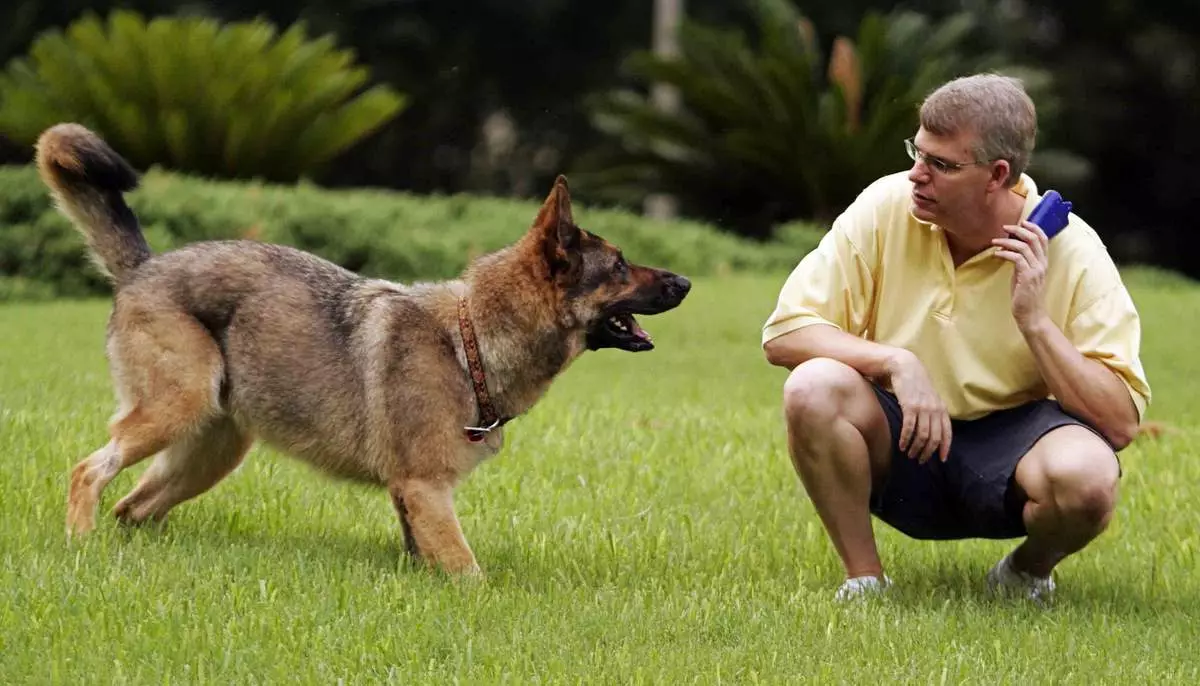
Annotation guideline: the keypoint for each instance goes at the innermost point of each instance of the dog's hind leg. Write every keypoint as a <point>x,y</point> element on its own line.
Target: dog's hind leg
<point>431,528</point>
<point>167,371</point>
<point>184,470</point>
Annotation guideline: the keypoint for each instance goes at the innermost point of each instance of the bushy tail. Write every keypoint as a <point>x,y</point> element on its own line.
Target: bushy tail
<point>87,179</point>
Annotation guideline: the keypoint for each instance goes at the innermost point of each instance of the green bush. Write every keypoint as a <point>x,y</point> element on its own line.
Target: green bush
<point>373,232</point>
<point>190,94</point>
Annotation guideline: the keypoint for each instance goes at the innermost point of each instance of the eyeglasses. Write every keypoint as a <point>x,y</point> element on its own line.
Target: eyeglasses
<point>936,163</point>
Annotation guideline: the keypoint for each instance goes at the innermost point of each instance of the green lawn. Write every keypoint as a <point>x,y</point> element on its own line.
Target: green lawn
<point>643,525</point>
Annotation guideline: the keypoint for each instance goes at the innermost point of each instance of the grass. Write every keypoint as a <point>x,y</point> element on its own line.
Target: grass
<point>642,525</point>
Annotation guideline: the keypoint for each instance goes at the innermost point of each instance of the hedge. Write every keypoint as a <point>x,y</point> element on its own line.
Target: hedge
<point>378,233</point>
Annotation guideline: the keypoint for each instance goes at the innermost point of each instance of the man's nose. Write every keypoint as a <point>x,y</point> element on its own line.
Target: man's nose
<point>919,172</point>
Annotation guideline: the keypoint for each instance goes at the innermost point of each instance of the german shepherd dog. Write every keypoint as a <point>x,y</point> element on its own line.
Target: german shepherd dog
<point>218,343</point>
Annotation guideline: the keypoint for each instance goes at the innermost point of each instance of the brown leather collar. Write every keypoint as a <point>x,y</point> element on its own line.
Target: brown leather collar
<point>488,418</point>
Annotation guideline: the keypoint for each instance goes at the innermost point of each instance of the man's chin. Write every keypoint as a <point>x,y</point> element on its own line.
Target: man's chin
<point>921,214</point>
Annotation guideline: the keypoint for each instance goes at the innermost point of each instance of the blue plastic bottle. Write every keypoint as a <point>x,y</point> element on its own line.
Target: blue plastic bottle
<point>1051,213</point>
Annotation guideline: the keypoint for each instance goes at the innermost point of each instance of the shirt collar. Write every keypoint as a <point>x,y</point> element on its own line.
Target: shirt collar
<point>1024,187</point>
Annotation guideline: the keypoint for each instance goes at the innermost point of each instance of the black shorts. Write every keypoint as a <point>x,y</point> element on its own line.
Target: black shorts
<point>973,494</point>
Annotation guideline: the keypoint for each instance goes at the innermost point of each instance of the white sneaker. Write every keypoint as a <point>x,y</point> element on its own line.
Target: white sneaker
<point>1004,579</point>
<point>862,587</point>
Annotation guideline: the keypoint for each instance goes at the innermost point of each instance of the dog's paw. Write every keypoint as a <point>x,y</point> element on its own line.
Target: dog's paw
<point>464,572</point>
<point>81,515</point>
<point>80,523</point>
<point>471,576</point>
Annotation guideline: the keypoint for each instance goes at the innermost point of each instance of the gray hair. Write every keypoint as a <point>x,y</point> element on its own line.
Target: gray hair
<point>995,108</point>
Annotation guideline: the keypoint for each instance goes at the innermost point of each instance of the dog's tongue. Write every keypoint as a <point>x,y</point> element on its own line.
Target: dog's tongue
<point>638,331</point>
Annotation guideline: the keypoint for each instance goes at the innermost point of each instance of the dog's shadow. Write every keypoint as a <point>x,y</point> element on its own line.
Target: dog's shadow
<point>377,546</point>
<point>363,546</point>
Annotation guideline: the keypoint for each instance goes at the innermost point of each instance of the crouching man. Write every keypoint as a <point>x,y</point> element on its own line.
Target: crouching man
<point>952,371</point>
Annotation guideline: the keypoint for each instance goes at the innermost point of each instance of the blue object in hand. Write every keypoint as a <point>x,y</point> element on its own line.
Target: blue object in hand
<point>1051,213</point>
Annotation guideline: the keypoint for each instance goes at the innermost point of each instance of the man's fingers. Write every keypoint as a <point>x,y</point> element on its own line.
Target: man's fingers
<point>1030,235</point>
<point>1029,226</point>
<point>1022,232</point>
<point>947,435</point>
<point>1019,260</point>
<point>921,435</point>
<point>1013,245</point>
<point>906,428</point>
<point>935,437</point>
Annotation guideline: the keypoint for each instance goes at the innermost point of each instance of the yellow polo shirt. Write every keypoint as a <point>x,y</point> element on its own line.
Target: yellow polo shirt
<point>883,275</point>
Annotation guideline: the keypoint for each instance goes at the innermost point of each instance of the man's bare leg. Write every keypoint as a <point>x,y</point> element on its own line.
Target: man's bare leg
<point>840,444</point>
<point>1071,478</point>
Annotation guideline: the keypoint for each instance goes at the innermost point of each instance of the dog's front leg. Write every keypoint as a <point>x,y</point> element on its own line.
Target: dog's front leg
<point>431,528</point>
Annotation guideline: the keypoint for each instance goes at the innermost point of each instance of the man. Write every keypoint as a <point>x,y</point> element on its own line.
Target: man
<point>952,371</point>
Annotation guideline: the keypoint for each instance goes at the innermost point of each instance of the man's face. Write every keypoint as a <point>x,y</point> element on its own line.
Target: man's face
<point>949,184</point>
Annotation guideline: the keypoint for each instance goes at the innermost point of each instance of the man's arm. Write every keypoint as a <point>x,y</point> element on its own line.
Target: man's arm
<point>868,358</point>
<point>925,428</point>
<point>1084,387</point>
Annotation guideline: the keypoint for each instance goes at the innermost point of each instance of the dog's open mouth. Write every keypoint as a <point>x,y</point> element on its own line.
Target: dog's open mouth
<point>620,331</point>
<point>624,325</point>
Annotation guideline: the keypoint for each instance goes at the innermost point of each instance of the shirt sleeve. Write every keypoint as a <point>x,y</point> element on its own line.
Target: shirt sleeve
<point>833,284</point>
<point>1108,330</point>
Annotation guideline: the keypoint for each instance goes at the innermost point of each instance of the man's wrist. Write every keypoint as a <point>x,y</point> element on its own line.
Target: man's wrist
<point>1036,327</point>
<point>892,360</point>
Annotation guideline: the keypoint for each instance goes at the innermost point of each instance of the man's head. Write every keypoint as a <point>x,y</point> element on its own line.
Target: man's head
<point>975,139</point>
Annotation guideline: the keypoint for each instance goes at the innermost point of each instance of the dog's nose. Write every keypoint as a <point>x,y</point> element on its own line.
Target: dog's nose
<point>681,284</point>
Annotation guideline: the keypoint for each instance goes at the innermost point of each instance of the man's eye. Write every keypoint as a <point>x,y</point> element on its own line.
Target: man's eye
<point>944,166</point>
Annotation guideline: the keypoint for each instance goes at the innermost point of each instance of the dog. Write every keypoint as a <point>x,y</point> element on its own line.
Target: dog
<point>217,344</point>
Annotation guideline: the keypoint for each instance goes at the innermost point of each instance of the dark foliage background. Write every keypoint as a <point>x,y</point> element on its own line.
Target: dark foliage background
<point>502,95</point>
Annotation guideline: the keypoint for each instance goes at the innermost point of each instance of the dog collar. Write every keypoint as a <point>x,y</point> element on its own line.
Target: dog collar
<point>489,420</point>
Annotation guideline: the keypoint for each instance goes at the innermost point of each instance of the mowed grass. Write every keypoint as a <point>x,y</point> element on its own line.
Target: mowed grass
<point>643,525</point>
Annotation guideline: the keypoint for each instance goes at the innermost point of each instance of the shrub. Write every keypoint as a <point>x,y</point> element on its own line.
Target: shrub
<point>374,232</point>
<point>235,100</point>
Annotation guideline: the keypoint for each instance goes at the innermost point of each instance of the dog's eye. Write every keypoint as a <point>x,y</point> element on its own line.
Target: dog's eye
<point>622,267</point>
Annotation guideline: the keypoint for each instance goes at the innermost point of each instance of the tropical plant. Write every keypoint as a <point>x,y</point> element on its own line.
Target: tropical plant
<point>774,130</point>
<point>232,100</point>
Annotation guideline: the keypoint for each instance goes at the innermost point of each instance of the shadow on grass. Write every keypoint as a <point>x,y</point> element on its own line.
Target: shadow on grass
<point>936,589</point>
<point>548,566</point>
<point>311,545</point>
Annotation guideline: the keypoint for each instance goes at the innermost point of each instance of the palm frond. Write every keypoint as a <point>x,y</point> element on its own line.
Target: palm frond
<point>768,121</point>
<point>237,100</point>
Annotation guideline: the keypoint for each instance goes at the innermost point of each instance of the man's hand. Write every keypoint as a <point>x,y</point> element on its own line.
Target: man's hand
<point>1026,249</point>
<point>926,428</point>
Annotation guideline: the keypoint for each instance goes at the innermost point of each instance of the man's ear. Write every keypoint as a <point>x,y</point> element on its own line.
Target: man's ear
<point>559,235</point>
<point>1001,171</point>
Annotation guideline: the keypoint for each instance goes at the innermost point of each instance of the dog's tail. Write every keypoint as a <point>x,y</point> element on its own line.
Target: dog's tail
<point>87,179</point>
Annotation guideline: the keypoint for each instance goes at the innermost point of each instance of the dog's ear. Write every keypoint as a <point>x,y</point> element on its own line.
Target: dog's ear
<point>556,227</point>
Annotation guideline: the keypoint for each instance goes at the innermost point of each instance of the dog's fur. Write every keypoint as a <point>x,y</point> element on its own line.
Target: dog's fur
<point>218,343</point>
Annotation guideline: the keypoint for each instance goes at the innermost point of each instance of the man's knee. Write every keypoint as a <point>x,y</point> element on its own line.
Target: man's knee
<point>816,391</point>
<point>1083,480</point>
